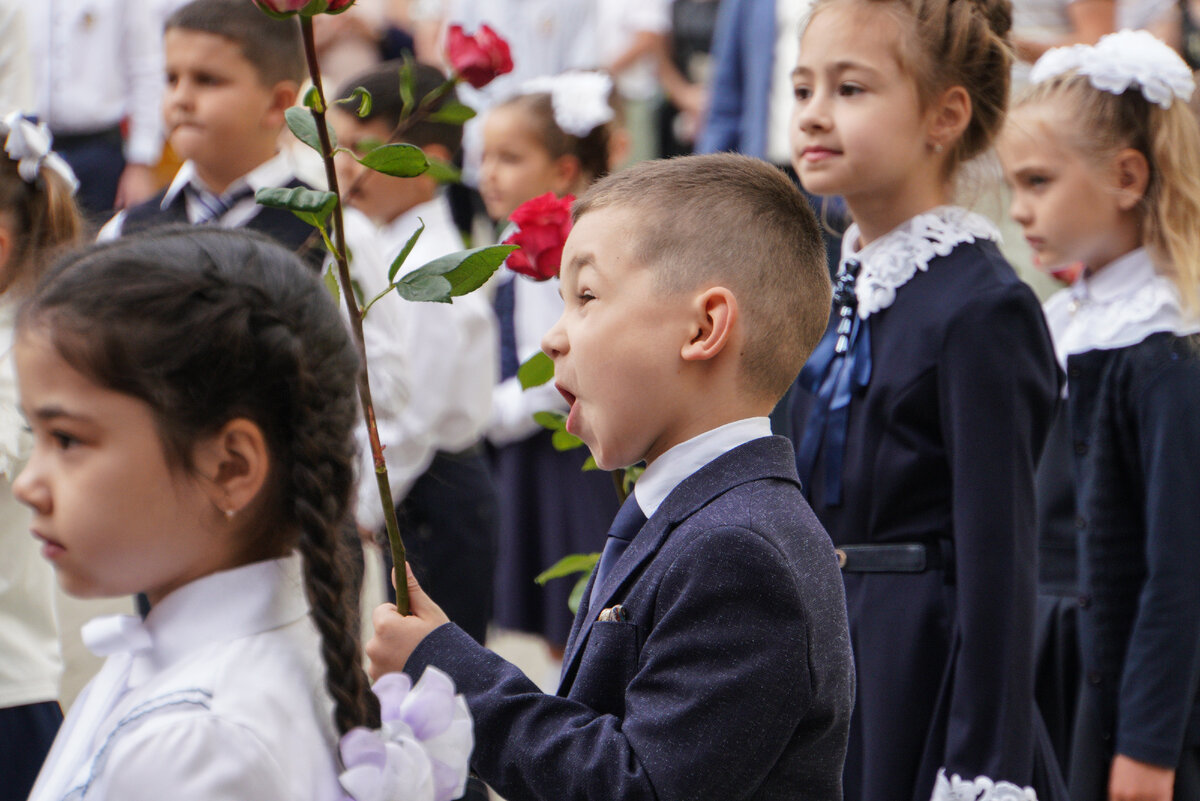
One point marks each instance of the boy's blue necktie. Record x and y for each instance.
(625, 526)
(213, 206)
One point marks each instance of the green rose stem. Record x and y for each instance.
(343, 265)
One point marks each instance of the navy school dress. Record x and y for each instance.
(918, 422)
(1133, 390)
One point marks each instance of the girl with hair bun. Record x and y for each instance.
(920, 416)
(1103, 156)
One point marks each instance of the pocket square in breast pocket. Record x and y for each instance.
(613, 614)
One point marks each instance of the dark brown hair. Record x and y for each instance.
(207, 325)
(591, 150)
(383, 82)
(44, 220)
(272, 46)
(738, 222)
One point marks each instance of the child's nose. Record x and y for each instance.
(812, 114)
(30, 490)
(554, 343)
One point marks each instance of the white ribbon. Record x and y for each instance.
(28, 144)
(1121, 60)
(580, 99)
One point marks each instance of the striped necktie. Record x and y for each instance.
(214, 207)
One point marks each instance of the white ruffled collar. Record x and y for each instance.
(893, 259)
(1116, 307)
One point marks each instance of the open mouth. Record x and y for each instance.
(567, 396)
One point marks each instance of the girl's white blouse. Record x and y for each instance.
(218, 694)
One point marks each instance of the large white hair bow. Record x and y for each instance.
(580, 99)
(28, 144)
(1121, 60)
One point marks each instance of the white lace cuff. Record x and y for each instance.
(982, 788)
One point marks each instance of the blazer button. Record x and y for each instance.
(1094, 678)
(1081, 448)
(1085, 601)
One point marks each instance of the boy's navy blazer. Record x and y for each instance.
(729, 677)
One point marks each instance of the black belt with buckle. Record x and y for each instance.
(895, 557)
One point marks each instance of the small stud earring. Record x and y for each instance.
(937, 147)
(229, 513)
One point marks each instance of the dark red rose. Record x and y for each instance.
(542, 227)
(480, 58)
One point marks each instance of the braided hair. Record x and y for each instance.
(207, 325)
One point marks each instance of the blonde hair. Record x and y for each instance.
(1103, 124)
(945, 43)
(44, 221)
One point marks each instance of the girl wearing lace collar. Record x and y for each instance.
(920, 416)
(1103, 155)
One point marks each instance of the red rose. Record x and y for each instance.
(543, 224)
(480, 58)
(285, 8)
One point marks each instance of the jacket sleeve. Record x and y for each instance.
(722, 123)
(718, 689)
(998, 388)
(1162, 666)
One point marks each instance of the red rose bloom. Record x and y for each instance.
(285, 8)
(480, 58)
(543, 224)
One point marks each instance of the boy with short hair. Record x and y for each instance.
(446, 501)
(231, 73)
(710, 657)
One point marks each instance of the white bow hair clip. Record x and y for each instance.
(28, 144)
(1121, 60)
(580, 99)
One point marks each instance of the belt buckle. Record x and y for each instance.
(841, 558)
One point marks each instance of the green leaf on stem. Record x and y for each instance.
(576, 596)
(562, 440)
(553, 421)
(443, 172)
(360, 96)
(632, 473)
(589, 464)
(331, 283)
(535, 371)
(569, 566)
(303, 124)
(565, 441)
(404, 251)
(452, 113)
(467, 270)
(311, 205)
(399, 160)
(312, 99)
(408, 82)
(425, 288)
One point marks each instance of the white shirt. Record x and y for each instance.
(666, 472)
(536, 308)
(30, 660)
(1117, 306)
(618, 22)
(97, 62)
(221, 697)
(16, 70)
(451, 359)
(789, 18)
(546, 37)
(276, 171)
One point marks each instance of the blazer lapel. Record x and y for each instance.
(768, 457)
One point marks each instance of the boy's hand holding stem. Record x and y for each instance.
(438, 281)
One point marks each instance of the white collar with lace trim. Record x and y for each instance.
(893, 259)
(1115, 307)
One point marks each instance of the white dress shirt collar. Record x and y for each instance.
(669, 470)
(1116, 307)
(275, 171)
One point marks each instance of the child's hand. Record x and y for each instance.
(396, 635)
(1131, 780)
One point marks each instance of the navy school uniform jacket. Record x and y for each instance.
(730, 679)
(940, 449)
(1135, 421)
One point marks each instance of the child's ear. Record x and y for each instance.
(716, 316)
(236, 462)
(949, 116)
(6, 243)
(567, 171)
(283, 96)
(1132, 173)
